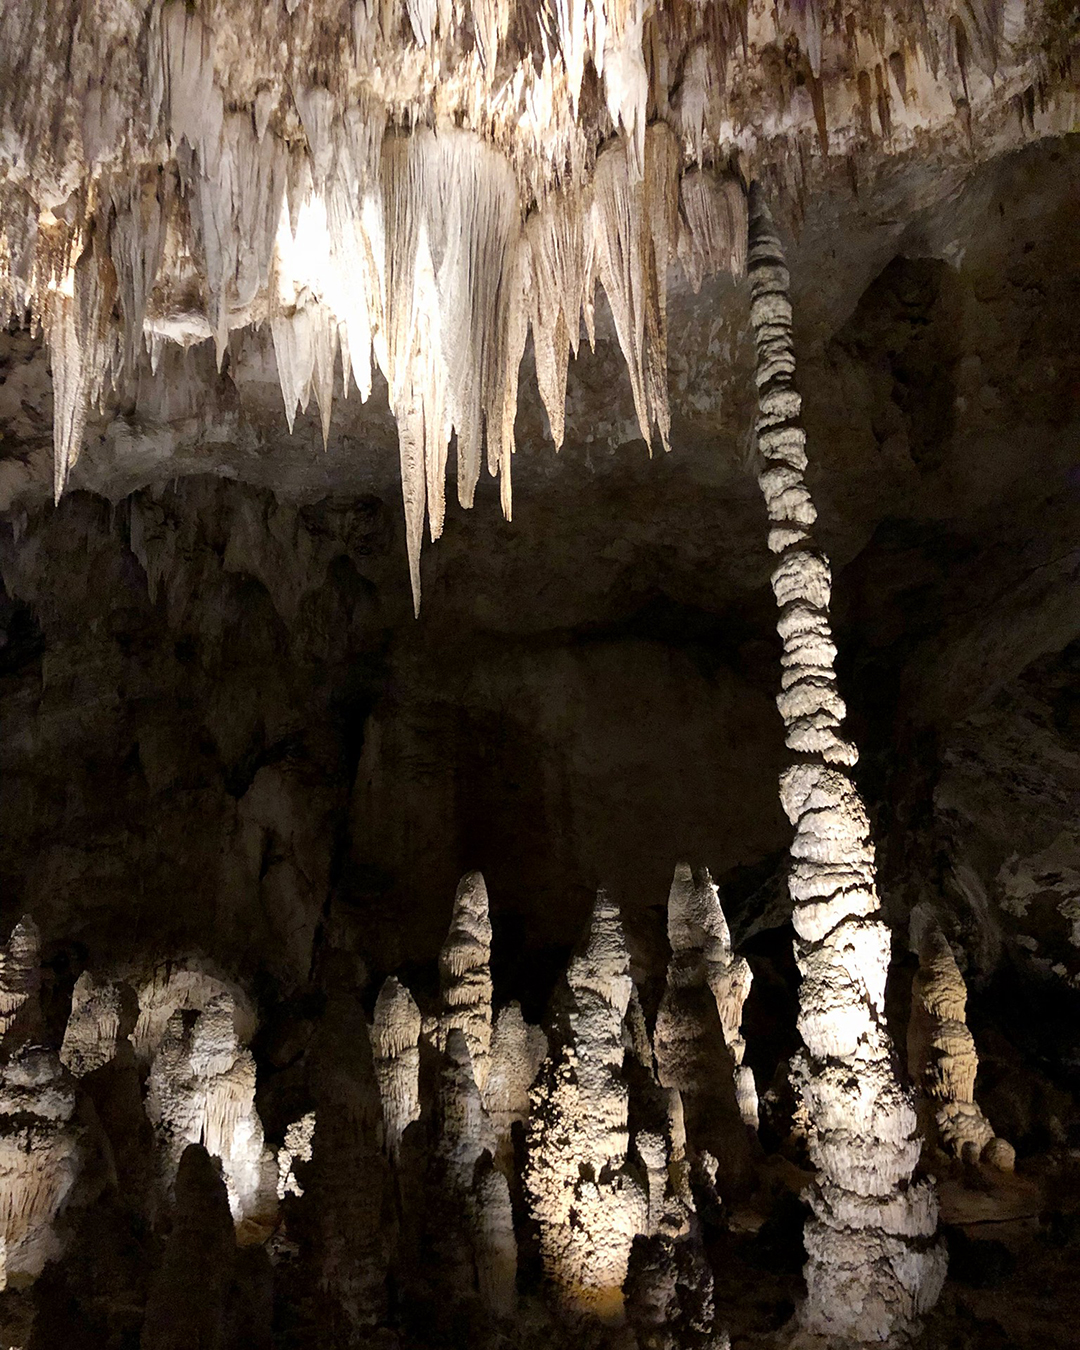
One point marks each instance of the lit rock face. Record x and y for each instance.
(873, 1266)
(183, 985)
(942, 1059)
(701, 952)
(94, 1025)
(40, 1141)
(395, 1049)
(588, 1204)
(201, 1090)
(465, 975)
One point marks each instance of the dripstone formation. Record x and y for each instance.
(874, 1266)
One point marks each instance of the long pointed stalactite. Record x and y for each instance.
(873, 1266)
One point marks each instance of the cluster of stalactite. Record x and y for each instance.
(873, 1263)
(418, 186)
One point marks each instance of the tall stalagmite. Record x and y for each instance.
(942, 1059)
(873, 1265)
(465, 974)
(587, 1203)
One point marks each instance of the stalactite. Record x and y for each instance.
(873, 1266)
(942, 1059)
(587, 1202)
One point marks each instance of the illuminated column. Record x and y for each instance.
(873, 1263)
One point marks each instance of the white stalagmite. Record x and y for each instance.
(873, 1264)
(588, 1205)
(20, 980)
(465, 975)
(701, 949)
(395, 1052)
(517, 1051)
(942, 1059)
(296, 1148)
(93, 1025)
(466, 1148)
(201, 1090)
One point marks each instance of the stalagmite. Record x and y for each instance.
(942, 1059)
(701, 952)
(475, 1190)
(93, 1026)
(395, 1049)
(20, 981)
(587, 1203)
(40, 1142)
(517, 1051)
(201, 1089)
(465, 974)
(343, 1221)
(873, 1265)
(186, 1305)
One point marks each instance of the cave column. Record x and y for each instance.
(873, 1264)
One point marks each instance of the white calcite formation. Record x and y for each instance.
(588, 1204)
(476, 1191)
(201, 1090)
(873, 1265)
(183, 985)
(20, 980)
(40, 1142)
(409, 188)
(395, 1051)
(517, 1051)
(94, 1025)
(942, 1059)
(465, 975)
(701, 951)
(295, 1149)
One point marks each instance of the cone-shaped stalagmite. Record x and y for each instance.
(588, 1205)
(465, 974)
(873, 1265)
(942, 1059)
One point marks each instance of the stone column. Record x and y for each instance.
(873, 1264)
